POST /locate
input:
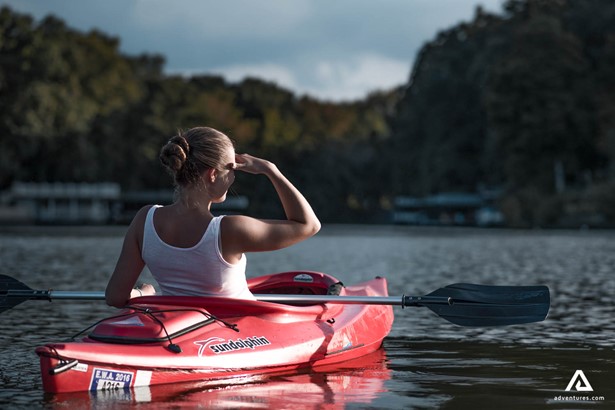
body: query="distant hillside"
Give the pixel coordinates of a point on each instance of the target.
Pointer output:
(523, 101)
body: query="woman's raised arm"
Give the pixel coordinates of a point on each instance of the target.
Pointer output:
(245, 234)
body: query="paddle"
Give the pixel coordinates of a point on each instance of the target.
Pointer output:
(461, 303)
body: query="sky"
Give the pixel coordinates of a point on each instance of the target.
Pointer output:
(336, 50)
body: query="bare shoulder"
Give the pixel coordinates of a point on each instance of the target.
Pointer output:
(236, 224)
(135, 230)
(239, 231)
(139, 218)
(232, 236)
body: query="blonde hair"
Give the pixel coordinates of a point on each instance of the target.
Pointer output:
(188, 154)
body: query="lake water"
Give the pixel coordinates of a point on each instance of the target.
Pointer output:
(425, 363)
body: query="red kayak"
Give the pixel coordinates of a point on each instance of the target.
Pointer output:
(165, 339)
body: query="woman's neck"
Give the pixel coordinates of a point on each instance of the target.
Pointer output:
(194, 199)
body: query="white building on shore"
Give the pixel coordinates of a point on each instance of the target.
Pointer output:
(64, 202)
(85, 203)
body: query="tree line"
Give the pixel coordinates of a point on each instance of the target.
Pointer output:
(522, 101)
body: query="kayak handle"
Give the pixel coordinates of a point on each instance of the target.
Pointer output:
(63, 366)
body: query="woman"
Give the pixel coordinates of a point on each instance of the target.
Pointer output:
(188, 250)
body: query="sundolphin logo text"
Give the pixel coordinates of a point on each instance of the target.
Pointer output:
(582, 384)
(230, 345)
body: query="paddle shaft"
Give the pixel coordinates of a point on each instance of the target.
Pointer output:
(460, 303)
(348, 300)
(54, 294)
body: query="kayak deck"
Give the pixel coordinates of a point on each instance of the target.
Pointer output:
(165, 339)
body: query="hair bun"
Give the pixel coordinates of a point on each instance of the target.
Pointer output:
(182, 142)
(175, 153)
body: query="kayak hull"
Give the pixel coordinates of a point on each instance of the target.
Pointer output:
(163, 339)
(354, 382)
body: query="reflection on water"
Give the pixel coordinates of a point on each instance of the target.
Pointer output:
(468, 375)
(427, 363)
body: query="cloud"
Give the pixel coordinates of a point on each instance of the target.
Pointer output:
(353, 78)
(342, 79)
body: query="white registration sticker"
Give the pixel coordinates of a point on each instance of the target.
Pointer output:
(105, 379)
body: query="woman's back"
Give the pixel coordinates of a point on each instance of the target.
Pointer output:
(197, 269)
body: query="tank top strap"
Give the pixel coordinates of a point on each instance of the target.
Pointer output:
(148, 227)
(213, 230)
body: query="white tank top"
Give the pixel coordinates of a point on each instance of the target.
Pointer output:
(196, 271)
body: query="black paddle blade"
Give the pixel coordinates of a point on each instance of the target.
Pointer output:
(483, 305)
(7, 284)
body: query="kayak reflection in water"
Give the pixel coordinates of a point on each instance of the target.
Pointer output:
(189, 251)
